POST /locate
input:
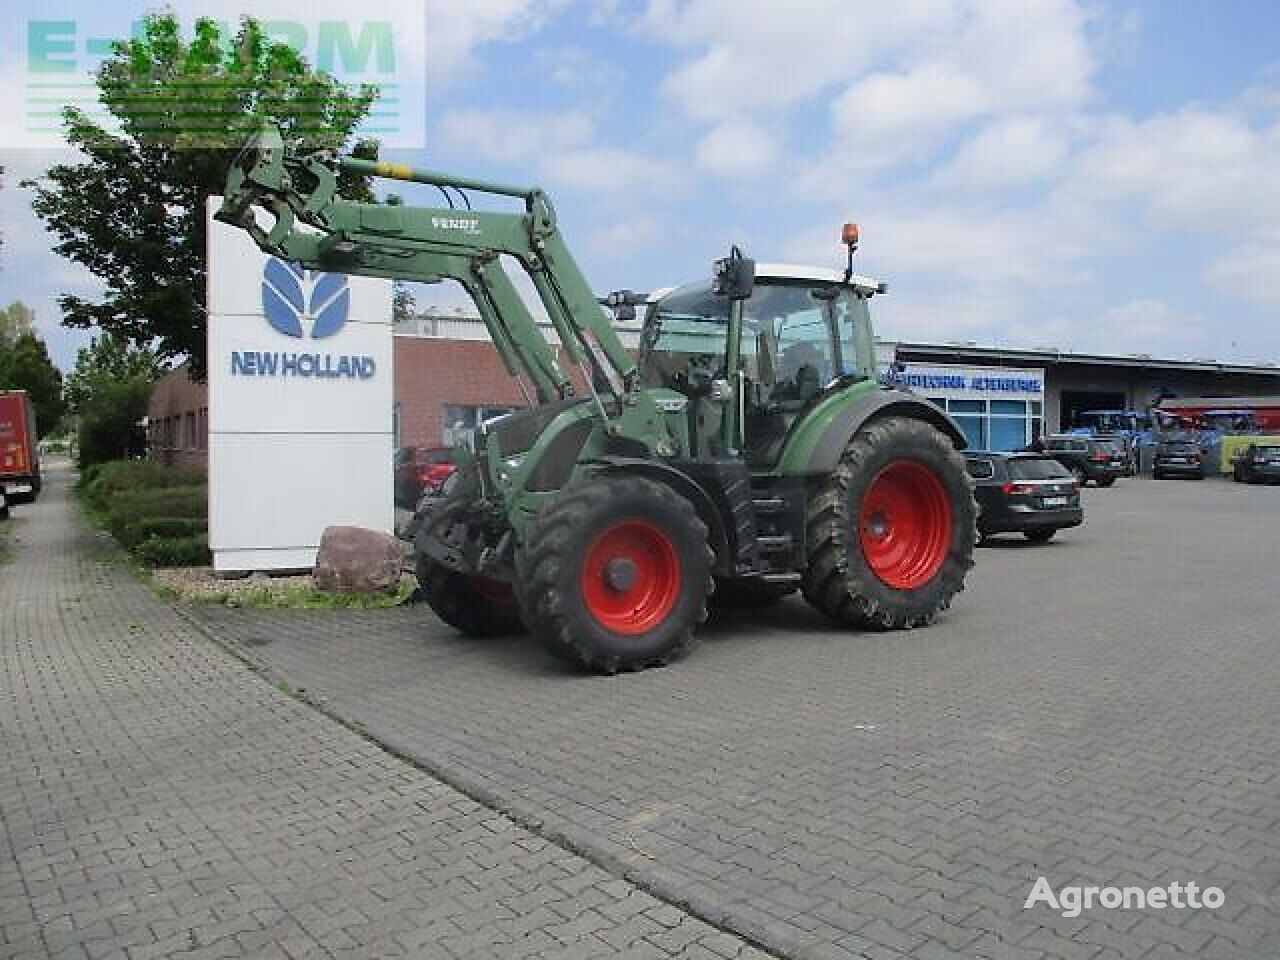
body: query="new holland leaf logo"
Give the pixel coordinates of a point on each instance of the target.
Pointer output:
(303, 303)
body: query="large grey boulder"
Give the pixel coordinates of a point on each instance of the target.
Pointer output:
(358, 560)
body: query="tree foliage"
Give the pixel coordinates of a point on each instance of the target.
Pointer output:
(108, 391)
(134, 212)
(25, 365)
(15, 320)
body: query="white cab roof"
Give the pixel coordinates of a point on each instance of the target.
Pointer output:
(792, 271)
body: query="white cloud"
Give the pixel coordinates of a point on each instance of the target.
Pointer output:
(1010, 152)
(1250, 271)
(737, 149)
(455, 30)
(1195, 168)
(511, 135)
(561, 148)
(1136, 325)
(755, 54)
(613, 170)
(625, 238)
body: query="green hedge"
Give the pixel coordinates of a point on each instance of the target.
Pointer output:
(103, 481)
(174, 551)
(157, 513)
(131, 532)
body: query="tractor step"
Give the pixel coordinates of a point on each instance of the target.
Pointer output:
(769, 506)
(778, 544)
(782, 579)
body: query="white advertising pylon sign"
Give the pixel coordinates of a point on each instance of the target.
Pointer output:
(300, 404)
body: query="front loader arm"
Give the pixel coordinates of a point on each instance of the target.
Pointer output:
(319, 230)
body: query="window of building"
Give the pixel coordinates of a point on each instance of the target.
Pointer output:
(190, 441)
(459, 418)
(994, 424)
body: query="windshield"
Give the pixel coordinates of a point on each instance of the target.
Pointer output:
(823, 330)
(1035, 468)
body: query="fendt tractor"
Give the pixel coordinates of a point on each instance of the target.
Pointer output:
(747, 448)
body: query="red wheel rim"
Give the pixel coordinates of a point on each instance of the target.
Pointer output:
(497, 592)
(631, 577)
(905, 525)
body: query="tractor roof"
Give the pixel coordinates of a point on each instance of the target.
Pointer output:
(789, 271)
(792, 271)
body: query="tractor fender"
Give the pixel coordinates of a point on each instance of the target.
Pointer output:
(684, 485)
(885, 402)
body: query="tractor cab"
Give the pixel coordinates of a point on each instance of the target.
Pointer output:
(804, 331)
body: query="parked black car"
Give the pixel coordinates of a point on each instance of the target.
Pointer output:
(1257, 463)
(1028, 493)
(1100, 459)
(1178, 458)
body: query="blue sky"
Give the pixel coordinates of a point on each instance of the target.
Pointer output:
(1086, 175)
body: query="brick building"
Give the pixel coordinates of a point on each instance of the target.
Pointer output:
(178, 422)
(448, 377)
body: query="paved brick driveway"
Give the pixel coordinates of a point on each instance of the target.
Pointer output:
(157, 799)
(1104, 710)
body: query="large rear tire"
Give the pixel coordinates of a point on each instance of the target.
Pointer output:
(477, 606)
(891, 532)
(615, 574)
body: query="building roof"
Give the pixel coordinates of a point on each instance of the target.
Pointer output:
(1049, 356)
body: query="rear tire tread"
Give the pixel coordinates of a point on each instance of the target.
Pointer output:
(848, 595)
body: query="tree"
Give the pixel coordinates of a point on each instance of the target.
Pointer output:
(403, 303)
(15, 320)
(25, 365)
(134, 212)
(108, 391)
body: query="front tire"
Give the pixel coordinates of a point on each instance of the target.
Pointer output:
(1106, 481)
(477, 606)
(1039, 536)
(891, 532)
(615, 574)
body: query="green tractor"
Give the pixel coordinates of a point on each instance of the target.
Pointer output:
(748, 448)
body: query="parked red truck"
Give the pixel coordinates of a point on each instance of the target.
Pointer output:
(19, 459)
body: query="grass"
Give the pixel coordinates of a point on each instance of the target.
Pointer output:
(301, 598)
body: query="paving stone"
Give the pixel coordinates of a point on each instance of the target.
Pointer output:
(1102, 711)
(162, 800)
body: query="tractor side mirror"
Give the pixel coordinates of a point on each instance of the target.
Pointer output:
(735, 276)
